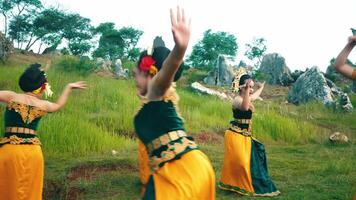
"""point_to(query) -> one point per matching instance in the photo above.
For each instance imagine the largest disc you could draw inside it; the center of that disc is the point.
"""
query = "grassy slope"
(100, 119)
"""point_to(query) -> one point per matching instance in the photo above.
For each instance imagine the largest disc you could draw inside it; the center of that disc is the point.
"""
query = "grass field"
(77, 141)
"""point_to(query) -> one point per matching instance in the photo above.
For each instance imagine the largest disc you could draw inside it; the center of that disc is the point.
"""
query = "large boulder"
(222, 74)
(104, 64)
(275, 69)
(313, 86)
(6, 47)
(204, 90)
(158, 42)
(119, 71)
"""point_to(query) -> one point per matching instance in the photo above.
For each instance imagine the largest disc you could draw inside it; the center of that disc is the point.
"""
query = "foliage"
(256, 50)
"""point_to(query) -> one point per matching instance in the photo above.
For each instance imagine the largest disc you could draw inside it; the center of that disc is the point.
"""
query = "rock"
(158, 42)
(312, 85)
(345, 103)
(51, 51)
(6, 47)
(104, 64)
(338, 137)
(276, 70)
(202, 89)
(295, 75)
(222, 74)
(119, 71)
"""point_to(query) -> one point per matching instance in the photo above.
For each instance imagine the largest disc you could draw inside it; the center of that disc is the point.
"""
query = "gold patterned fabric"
(28, 113)
(13, 139)
(173, 150)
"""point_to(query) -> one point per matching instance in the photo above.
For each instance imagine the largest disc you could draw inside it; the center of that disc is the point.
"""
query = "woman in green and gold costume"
(21, 159)
(245, 165)
(178, 169)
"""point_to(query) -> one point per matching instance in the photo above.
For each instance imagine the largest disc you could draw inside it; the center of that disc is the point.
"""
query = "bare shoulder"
(7, 96)
(236, 103)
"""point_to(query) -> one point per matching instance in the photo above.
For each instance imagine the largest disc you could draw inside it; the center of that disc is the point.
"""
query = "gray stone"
(275, 69)
(158, 42)
(104, 64)
(222, 74)
(119, 71)
(313, 86)
(204, 90)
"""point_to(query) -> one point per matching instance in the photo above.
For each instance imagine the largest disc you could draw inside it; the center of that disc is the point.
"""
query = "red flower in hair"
(146, 63)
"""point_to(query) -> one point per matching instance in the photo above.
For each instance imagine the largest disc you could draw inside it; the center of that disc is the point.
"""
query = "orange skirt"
(21, 172)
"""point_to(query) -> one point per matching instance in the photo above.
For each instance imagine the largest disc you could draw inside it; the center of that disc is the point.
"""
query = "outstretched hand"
(352, 40)
(180, 28)
(78, 85)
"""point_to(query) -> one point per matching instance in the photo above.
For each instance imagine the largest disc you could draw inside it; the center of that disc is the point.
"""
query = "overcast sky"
(305, 32)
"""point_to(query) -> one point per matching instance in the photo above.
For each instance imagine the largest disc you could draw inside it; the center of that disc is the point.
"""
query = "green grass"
(96, 121)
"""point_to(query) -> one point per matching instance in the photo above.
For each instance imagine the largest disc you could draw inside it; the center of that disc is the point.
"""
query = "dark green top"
(241, 114)
(157, 118)
(22, 115)
(14, 119)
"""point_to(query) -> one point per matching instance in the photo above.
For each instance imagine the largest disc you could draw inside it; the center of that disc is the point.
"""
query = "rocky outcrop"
(313, 86)
(222, 74)
(119, 71)
(204, 90)
(275, 70)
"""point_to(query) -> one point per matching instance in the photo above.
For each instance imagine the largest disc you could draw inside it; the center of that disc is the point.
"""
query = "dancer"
(178, 169)
(340, 63)
(245, 165)
(21, 159)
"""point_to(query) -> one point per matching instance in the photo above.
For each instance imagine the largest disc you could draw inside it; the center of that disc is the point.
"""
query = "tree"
(5, 8)
(114, 44)
(256, 50)
(78, 32)
(206, 51)
(20, 28)
(130, 38)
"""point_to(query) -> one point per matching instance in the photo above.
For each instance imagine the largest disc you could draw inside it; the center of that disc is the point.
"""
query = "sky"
(305, 32)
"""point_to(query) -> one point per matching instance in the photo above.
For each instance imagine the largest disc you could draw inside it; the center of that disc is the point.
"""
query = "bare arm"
(181, 34)
(258, 92)
(340, 63)
(246, 98)
(54, 107)
(6, 96)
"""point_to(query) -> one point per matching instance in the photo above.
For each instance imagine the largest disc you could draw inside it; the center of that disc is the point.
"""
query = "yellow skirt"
(189, 177)
(144, 167)
(21, 172)
(236, 170)
(245, 167)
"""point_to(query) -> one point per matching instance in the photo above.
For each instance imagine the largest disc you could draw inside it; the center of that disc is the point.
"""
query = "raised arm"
(246, 98)
(257, 93)
(6, 96)
(181, 35)
(340, 63)
(54, 107)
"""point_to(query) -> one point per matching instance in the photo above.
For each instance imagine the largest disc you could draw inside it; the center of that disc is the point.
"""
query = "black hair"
(159, 55)
(32, 78)
(244, 78)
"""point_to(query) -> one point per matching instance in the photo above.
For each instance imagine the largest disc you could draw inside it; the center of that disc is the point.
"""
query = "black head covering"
(244, 78)
(32, 78)
(159, 55)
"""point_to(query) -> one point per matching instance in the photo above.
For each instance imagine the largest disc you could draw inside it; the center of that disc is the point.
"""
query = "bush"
(74, 64)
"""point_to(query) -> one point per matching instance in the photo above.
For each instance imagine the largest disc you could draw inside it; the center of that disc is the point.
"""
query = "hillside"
(78, 142)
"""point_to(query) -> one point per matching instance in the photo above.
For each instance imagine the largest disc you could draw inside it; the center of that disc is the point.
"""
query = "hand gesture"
(180, 28)
(78, 85)
(260, 85)
(352, 40)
